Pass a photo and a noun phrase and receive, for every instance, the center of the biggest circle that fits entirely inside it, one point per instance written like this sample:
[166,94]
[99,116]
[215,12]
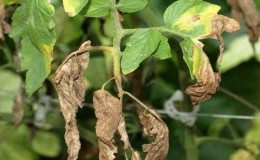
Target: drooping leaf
[97,8]
[247,8]
[156,128]
[46,144]
[108,110]
[163,51]
[70,86]
[198,62]
[140,45]
[74,7]
[130,6]
[190,17]
[33,22]
[4,26]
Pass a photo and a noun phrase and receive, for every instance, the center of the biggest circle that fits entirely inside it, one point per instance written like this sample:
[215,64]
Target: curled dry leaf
[247,9]
[207,81]
[220,24]
[108,111]
[70,86]
[155,127]
[4,26]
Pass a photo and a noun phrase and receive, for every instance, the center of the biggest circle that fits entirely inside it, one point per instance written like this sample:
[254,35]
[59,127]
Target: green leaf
[8,2]
[9,84]
[163,51]
[130,6]
[191,17]
[33,22]
[97,73]
[73,7]
[97,8]
[140,45]
[46,144]
[16,140]
[193,55]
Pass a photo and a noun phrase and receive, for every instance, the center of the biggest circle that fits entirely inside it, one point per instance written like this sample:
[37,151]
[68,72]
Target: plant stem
[117,36]
[239,99]
[189,134]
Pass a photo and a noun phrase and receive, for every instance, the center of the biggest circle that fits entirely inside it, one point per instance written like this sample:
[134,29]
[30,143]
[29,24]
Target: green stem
[117,36]
[234,143]
[189,133]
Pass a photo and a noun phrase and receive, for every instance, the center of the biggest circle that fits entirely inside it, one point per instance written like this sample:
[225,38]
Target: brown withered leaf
[108,110]
[247,8]
[4,26]
[220,24]
[207,81]
[70,86]
[155,127]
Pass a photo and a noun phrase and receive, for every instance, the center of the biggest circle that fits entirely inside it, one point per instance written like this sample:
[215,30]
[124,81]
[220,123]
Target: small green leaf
[33,22]
[46,144]
[74,7]
[130,6]
[140,45]
[163,51]
[191,17]
[97,8]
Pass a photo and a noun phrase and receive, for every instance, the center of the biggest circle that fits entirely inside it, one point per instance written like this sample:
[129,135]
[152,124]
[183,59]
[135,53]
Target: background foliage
[39,135]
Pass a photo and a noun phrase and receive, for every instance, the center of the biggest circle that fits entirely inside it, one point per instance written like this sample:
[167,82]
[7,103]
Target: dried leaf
[70,86]
[155,127]
[108,111]
[247,9]
[207,81]
[4,26]
[220,24]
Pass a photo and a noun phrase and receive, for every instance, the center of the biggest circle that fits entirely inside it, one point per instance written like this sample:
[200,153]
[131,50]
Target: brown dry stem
[70,86]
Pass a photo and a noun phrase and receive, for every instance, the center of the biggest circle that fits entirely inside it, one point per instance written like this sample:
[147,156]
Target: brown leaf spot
[155,127]
[4,26]
[70,86]
[247,9]
[108,111]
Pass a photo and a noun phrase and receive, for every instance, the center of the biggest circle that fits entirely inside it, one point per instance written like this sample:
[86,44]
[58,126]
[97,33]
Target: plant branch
[239,99]
[235,143]
[117,36]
